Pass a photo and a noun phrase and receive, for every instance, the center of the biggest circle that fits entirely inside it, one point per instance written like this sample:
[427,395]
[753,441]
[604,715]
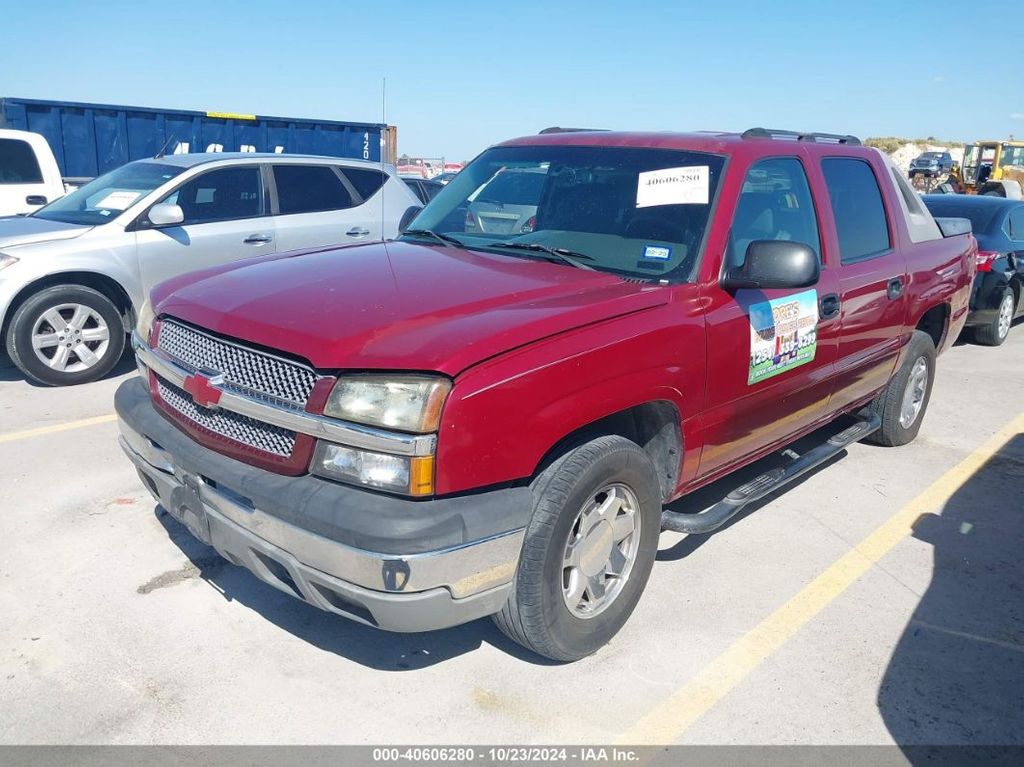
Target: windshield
[633,211]
[103,198]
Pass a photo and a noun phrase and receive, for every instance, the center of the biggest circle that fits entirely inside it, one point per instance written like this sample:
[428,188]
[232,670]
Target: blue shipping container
[90,139]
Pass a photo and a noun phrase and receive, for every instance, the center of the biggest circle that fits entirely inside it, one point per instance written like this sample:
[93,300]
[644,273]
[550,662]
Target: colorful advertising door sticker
[783,334]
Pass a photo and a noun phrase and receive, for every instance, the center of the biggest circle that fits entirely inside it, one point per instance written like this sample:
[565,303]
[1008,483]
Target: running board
[715,516]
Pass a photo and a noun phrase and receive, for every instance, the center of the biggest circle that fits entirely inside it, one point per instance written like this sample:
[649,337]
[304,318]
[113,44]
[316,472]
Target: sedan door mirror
[774,264]
[166,214]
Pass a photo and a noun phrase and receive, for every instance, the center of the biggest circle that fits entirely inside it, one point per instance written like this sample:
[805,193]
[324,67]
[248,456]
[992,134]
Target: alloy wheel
[70,338]
[601,550]
[913,395]
[1005,316]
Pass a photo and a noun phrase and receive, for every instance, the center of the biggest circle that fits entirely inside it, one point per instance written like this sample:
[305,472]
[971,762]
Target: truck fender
[625,376]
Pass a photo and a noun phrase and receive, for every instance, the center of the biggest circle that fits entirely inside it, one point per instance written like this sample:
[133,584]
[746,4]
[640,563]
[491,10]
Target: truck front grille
[234,426]
[250,371]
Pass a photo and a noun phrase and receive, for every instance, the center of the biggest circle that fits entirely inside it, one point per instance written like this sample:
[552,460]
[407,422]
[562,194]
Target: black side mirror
[35,199]
[774,264]
[407,217]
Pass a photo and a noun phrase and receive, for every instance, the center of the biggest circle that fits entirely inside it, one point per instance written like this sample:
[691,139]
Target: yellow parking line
[668,720]
[14,436]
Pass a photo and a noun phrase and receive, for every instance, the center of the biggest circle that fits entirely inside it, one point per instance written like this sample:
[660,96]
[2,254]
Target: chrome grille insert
[248,370]
[234,426]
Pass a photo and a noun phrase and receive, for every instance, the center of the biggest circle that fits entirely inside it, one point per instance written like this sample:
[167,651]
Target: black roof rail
[556,129]
[770,133]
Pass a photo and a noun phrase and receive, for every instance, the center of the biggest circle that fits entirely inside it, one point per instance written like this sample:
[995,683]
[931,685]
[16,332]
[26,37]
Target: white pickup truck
[29,176]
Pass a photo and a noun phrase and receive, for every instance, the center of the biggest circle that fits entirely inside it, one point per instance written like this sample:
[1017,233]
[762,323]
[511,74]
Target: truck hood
[401,306]
[26,230]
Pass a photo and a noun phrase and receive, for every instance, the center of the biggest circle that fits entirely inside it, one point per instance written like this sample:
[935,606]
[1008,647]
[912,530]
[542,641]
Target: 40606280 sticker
[783,334]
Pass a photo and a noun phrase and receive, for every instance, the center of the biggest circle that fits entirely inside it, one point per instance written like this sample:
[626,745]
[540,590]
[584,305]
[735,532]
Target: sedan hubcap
[601,550]
[1005,315]
[70,338]
[913,396]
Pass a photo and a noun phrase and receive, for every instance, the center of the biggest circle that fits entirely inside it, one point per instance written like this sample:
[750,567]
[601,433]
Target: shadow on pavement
[957,674]
[370,647]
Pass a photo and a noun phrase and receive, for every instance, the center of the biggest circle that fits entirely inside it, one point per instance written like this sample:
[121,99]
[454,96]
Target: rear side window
[857,208]
[310,189]
[365,181]
[1015,223]
[431,189]
[18,164]
[774,204]
[226,194]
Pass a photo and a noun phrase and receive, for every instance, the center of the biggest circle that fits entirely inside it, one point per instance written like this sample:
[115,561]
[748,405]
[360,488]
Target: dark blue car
[997,297]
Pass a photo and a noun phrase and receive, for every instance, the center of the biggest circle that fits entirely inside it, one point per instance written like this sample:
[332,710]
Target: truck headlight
[409,475]
[6,260]
[405,402]
[144,326]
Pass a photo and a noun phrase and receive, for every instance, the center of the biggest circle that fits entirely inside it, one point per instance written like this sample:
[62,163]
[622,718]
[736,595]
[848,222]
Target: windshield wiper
[444,239]
[559,255]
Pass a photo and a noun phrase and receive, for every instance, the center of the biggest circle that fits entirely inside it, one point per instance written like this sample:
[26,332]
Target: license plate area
[187,506]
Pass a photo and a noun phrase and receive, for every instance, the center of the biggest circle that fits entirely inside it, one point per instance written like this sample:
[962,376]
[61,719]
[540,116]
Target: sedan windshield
[636,212]
[105,197]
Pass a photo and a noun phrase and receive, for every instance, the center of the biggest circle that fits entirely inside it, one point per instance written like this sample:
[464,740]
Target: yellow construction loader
[991,167]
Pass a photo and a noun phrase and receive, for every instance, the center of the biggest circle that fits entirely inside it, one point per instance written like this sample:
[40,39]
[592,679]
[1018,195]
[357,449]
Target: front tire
[903,402]
[997,331]
[588,551]
[65,335]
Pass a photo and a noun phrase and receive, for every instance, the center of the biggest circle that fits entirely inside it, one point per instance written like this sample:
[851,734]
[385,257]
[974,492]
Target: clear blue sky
[463,75]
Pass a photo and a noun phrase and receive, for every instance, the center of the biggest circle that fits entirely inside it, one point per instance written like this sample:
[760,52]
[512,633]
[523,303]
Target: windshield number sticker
[659,252]
[118,200]
[783,334]
[673,186]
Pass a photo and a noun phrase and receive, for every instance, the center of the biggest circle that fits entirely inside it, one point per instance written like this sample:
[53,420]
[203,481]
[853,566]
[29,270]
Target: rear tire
[65,335]
[902,403]
[565,603]
[997,331]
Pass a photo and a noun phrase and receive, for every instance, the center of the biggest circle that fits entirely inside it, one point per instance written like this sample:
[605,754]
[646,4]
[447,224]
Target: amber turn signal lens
[421,475]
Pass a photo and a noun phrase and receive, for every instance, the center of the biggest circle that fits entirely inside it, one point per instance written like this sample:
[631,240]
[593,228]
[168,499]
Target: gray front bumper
[398,592]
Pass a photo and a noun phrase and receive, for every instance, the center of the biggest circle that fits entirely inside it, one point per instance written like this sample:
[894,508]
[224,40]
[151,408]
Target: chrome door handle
[258,239]
[357,231]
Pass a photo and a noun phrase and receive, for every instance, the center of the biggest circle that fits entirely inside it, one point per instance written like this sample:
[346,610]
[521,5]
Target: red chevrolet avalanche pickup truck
[488,415]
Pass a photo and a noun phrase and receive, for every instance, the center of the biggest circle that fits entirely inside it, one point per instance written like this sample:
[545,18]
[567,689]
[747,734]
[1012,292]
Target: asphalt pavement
[877,601]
